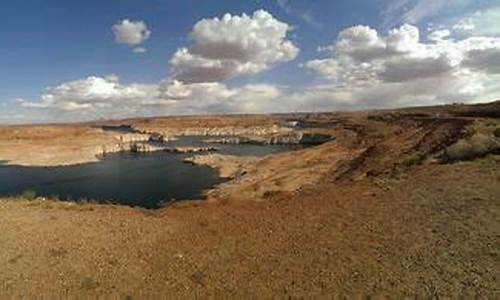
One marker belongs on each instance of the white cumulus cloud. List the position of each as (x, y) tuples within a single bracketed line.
[(231, 46), (399, 69), (106, 97), (100, 95), (131, 33)]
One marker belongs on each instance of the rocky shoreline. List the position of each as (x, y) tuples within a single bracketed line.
[(71, 145), (228, 166), (296, 138), (145, 147), (152, 141)]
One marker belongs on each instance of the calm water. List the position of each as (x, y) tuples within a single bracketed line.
[(144, 180)]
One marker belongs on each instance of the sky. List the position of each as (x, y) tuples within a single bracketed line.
[(66, 61)]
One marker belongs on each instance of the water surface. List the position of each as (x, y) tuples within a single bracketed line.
[(145, 180)]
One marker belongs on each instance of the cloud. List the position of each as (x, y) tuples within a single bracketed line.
[(360, 43), (283, 3), (439, 35), (93, 94), (131, 33), (416, 11), (487, 60), (232, 46), (106, 97), (139, 50), (423, 9), (327, 68), (305, 15), (464, 25), (484, 22), (363, 57), (212, 97), (308, 17), (371, 70), (409, 68)]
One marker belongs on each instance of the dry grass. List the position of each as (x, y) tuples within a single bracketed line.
[(482, 142)]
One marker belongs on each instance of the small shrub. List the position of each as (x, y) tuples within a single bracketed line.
[(411, 159), (28, 194), (477, 146), (149, 212), (272, 194), (198, 277), (496, 132), (135, 148), (86, 201), (89, 283), (15, 259), (57, 252)]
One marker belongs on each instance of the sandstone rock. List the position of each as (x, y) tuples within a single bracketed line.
[(156, 137)]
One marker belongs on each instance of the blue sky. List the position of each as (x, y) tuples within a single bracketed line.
[(47, 44)]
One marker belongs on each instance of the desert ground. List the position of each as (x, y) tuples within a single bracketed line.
[(400, 203)]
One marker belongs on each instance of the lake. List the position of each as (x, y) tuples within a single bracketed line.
[(146, 180)]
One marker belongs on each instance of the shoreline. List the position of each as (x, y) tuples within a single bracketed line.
[(65, 146)]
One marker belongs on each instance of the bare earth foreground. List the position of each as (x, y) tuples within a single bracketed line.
[(401, 203)]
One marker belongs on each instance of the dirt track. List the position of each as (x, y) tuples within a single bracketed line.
[(383, 219)]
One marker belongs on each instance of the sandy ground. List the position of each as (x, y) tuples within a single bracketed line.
[(372, 213)]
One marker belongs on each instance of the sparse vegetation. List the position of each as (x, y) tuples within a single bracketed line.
[(411, 159), (15, 259), (198, 277), (89, 283), (149, 212), (28, 195), (57, 252), (134, 148), (476, 146), (86, 201), (496, 132)]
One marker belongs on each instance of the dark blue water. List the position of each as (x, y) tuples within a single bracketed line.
[(119, 128), (131, 179), (145, 180)]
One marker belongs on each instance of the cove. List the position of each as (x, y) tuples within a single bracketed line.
[(135, 179)]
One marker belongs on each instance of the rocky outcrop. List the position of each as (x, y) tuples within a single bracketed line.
[(124, 128), (476, 146), (221, 131), (296, 138), (190, 149), (228, 166), (144, 147), (156, 137), (132, 138), (231, 140), (133, 147), (315, 139)]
